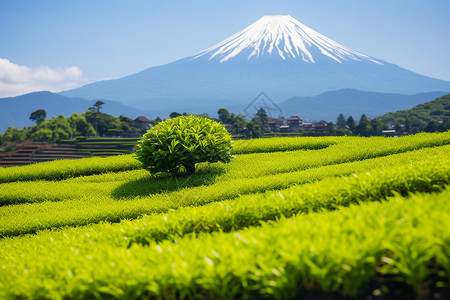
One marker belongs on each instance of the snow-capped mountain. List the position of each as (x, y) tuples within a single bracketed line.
[(281, 36), (276, 54)]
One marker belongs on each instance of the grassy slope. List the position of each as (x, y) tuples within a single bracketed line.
[(72, 198)]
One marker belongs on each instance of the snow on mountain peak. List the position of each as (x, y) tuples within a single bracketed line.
[(284, 36)]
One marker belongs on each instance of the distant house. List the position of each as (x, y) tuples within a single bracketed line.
[(143, 123), (275, 124), (294, 123), (321, 127), (389, 132), (284, 128), (281, 121), (307, 125), (272, 125)]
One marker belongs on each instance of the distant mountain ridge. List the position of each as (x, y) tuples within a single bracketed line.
[(276, 54), (15, 111), (350, 102)]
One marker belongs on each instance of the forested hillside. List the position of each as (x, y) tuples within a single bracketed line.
[(430, 116)]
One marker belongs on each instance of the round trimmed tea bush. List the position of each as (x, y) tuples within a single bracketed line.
[(182, 142)]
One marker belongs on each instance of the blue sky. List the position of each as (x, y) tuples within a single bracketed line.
[(57, 45)]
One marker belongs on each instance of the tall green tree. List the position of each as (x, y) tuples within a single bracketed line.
[(224, 115), (253, 130), (376, 127), (80, 127), (128, 126), (262, 115), (351, 124), (237, 122), (98, 105), (38, 116), (102, 122), (261, 118), (341, 122), (363, 128)]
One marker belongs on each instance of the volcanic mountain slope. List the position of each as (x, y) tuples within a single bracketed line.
[(276, 54)]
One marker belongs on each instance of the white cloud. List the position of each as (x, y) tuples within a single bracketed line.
[(17, 80)]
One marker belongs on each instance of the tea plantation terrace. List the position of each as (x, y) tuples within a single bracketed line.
[(287, 218), (34, 152)]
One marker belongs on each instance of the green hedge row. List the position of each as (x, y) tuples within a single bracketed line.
[(405, 240)]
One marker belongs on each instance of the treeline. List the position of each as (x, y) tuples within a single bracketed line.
[(378, 126), (90, 123), (365, 127)]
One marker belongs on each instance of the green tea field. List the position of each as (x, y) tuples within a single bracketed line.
[(287, 218)]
